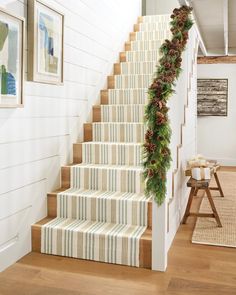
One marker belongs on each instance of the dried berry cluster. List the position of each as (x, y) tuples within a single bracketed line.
[(157, 156)]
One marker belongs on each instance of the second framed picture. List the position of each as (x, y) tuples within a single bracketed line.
[(45, 43)]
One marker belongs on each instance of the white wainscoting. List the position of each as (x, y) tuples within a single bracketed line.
[(36, 140)]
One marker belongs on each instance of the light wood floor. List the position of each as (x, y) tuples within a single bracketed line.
[(192, 270)]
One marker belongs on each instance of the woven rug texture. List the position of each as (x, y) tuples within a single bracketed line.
[(206, 230)]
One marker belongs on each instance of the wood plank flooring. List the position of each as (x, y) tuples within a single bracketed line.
[(192, 270)]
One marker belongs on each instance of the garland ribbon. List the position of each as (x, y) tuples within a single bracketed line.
[(157, 155)]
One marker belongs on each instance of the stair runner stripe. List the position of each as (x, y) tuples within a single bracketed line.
[(146, 45), (119, 132), (127, 96), (153, 35), (134, 68), (122, 113), (138, 56), (132, 81), (103, 214), (112, 153), (156, 18), (102, 206), (107, 178), (86, 239), (163, 26)]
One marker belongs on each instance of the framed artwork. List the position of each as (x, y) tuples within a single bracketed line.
[(212, 97), (45, 43), (12, 33)]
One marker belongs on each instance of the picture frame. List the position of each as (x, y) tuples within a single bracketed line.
[(12, 53), (212, 97), (45, 43)]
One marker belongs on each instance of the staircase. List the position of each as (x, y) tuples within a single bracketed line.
[(101, 213)]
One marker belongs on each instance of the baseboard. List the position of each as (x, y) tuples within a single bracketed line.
[(226, 161)]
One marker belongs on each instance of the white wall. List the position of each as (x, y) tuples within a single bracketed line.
[(216, 135), (160, 6), (36, 140)]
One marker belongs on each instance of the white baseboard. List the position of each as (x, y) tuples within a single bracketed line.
[(226, 161)]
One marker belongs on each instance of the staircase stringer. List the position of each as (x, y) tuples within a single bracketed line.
[(179, 165)]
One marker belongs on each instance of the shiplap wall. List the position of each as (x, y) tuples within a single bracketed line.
[(36, 140)]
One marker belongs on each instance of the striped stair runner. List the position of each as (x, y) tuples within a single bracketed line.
[(134, 68), (153, 35), (127, 96), (132, 81), (142, 56), (102, 206), (110, 153), (146, 45), (122, 113), (104, 213), (107, 177), (119, 132)]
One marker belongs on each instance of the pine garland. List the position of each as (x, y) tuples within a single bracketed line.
[(157, 155)]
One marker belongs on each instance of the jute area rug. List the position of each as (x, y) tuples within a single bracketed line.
[(206, 230)]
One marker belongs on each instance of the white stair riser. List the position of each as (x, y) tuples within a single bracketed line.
[(107, 179), (119, 132), (112, 154), (127, 96)]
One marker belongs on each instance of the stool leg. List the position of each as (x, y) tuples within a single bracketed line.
[(218, 184), (213, 207), (196, 191), (190, 199)]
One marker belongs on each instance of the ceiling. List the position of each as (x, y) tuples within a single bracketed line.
[(216, 21)]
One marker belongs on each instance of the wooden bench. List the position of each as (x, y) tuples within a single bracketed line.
[(205, 185)]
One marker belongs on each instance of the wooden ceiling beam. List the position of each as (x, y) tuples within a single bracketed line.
[(216, 60)]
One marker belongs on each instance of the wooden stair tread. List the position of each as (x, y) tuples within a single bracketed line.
[(147, 235), (54, 193), (42, 222)]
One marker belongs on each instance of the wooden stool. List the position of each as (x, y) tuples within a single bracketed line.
[(217, 188), (195, 186)]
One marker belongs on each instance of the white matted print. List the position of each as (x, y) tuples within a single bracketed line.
[(46, 29), (11, 59)]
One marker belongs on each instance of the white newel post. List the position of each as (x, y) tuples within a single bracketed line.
[(159, 231), (159, 236)]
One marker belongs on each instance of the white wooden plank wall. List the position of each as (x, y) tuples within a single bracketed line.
[(36, 140)]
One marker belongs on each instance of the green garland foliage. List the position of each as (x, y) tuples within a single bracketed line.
[(157, 156)]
